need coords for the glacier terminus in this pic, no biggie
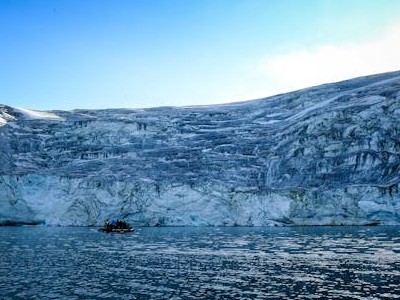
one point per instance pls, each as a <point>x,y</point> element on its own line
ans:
<point>325,155</point>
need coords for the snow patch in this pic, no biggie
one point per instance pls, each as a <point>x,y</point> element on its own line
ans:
<point>5,117</point>
<point>29,114</point>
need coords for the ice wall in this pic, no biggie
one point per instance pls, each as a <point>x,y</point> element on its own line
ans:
<point>323,155</point>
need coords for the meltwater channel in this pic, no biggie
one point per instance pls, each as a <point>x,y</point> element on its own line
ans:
<point>200,263</point>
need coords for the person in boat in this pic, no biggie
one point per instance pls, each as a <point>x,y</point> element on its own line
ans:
<point>107,225</point>
<point>113,224</point>
<point>124,225</point>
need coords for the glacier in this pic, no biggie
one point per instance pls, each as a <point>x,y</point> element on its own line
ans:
<point>325,155</point>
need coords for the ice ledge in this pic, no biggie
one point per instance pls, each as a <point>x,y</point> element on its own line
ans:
<point>52,200</point>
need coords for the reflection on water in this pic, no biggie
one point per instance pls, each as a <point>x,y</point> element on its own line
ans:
<point>200,263</point>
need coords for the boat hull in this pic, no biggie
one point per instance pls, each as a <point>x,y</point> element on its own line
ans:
<point>117,230</point>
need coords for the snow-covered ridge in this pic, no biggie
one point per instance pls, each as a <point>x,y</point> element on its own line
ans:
<point>8,113</point>
<point>323,155</point>
<point>29,114</point>
<point>5,116</point>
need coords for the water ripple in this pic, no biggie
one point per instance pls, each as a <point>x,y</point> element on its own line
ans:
<point>200,263</point>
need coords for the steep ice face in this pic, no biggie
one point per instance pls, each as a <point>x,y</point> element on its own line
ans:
<point>323,155</point>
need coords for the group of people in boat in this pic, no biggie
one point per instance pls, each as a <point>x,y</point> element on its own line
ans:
<point>114,225</point>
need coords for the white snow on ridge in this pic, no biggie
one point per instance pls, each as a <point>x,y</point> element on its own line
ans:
<point>4,118</point>
<point>37,115</point>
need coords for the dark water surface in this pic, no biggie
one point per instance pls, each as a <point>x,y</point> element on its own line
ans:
<point>200,263</point>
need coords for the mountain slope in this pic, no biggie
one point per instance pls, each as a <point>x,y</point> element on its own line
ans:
<point>322,155</point>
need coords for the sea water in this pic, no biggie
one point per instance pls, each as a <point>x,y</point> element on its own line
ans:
<point>200,263</point>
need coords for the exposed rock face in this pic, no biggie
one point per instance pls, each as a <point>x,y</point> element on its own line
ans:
<point>324,155</point>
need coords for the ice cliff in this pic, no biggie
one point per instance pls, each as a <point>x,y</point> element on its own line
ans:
<point>325,155</point>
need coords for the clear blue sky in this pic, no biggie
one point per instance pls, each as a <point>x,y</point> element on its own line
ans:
<point>66,54</point>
